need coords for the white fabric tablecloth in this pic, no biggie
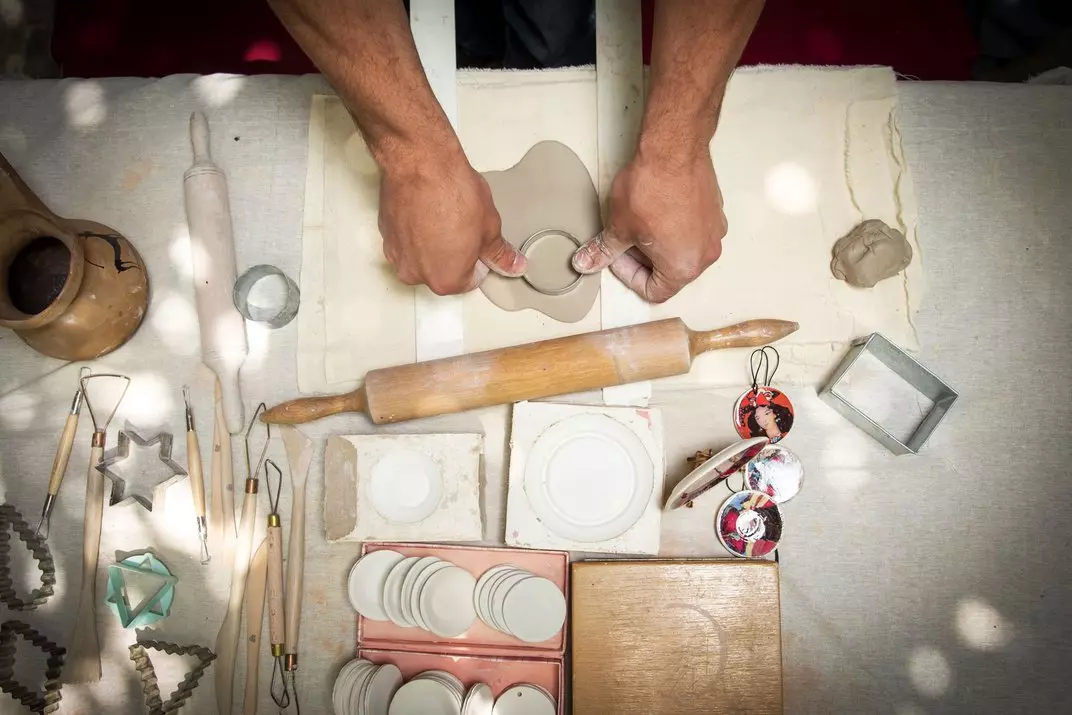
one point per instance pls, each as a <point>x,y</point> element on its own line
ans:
<point>931,583</point>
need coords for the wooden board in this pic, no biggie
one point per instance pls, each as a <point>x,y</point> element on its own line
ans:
<point>676,637</point>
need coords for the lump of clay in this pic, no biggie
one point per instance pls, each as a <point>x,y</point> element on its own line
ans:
<point>869,253</point>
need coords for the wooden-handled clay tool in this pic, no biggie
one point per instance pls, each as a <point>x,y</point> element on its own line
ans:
<point>276,623</point>
<point>83,657</point>
<point>227,638</point>
<point>526,372</point>
<point>255,589</point>
<point>63,455</point>
<point>197,479</point>
<point>208,213</point>
<point>299,457</point>
<point>221,515</point>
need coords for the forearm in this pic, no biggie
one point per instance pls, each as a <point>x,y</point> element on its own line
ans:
<point>695,46</point>
<point>365,49</point>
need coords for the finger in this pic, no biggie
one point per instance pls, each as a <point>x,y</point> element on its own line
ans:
<point>480,272</point>
<point>650,284</point>
<point>599,253</point>
<point>503,258</point>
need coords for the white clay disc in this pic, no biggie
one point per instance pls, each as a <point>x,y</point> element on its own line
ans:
<point>424,696</point>
<point>381,688</point>
<point>534,610</point>
<point>418,588</point>
<point>524,700</point>
<point>411,581</point>
<point>446,602</point>
<point>366,582</point>
<point>479,701</point>
<point>405,486</point>
<point>392,591</point>
<point>482,590</point>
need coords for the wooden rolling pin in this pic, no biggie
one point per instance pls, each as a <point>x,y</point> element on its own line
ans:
<point>552,367</point>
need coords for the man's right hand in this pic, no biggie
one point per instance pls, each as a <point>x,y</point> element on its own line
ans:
<point>440,226</point>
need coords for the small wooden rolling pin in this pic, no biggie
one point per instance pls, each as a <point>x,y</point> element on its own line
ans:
<point>552,367</point>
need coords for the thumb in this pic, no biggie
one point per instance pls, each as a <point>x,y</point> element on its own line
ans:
<point>503,258</point>
<point>599,253</point>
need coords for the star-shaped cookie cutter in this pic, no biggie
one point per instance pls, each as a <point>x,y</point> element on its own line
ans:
<point>121,452</point>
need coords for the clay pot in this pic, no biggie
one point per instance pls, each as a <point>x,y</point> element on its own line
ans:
<point>71,289</point>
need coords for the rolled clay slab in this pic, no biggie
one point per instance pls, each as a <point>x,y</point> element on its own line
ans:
<point>549,192</point>
<point>869,253</point>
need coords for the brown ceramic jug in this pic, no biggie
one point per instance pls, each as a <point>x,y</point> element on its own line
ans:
<point>71,289</point>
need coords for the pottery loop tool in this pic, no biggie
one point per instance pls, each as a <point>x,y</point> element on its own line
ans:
<point>63,455</point>
<point>273,317</point>
<point>763,411</point>
<point>299,457</point>
<point>48,699</point>
<point>11,520</point>
<point>208,213</point>
<point>84,665</point>
<point>221,525</point>
<point>276,623</point>
<point>197,479</point>
<point>139,654</point>
<point>256,584</point>
<point>227,638</point>
<point>114,458</point>
<point>562,366</point>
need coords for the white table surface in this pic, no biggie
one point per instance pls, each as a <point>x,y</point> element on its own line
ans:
<point>918,584</point>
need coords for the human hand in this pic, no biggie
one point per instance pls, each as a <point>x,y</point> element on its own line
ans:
<point>666,223</point>
<point>440,226</point>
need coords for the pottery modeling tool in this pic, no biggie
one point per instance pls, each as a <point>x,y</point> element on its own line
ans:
<point>47,699</point>
<point>526,372</point>
<point>139,654</point>
<point>276,624</point>
<point>11,521</point>
<point>227,638</point>
<point>221,521</point>
<point>299,457</point>
<point>63,455</point>
<point>208,213</point>
<point>197,479</point>
<point>84,664</point>
<point>255,588</point>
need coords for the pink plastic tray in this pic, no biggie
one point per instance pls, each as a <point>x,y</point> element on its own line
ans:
<point>498,673</point>
<point>480,639</point>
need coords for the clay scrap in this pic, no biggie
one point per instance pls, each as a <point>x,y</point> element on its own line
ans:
<point>549,207</point>
<point>870,253</point>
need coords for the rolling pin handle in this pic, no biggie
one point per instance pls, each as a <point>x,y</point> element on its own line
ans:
<point>749,334</point>
<point>199,138</point>
<point>307,409</point>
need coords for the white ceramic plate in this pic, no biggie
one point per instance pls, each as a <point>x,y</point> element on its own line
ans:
<point>408,584</point>
<point>366,582</point>
<point>381,688</point>
<point>424,697</point>
<point>392,591</point>
<point>446,602</point>
<point>479,701</point>
<point>589,478</point>
<point>405,486</point>
<point>418,588</point>
<point>534,610</point>
<point>524,700</point>
<point>498,596</point>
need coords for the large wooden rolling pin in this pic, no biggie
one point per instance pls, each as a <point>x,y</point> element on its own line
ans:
<point>552,367</point>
